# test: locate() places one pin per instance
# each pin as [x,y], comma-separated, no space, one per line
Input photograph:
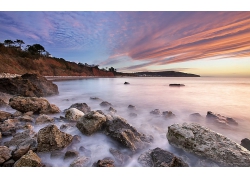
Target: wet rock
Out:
[26,118]
[29,113]
[43,119]
[112,110]
[127,135]
[195,116]
[168,114]
[34,104]
[105,104]
[20,144]
[85,151]
[160,158]
[50,138]
[95,98]
[30,159]
[91,122]
[66,126]
[106,162]
[17,113]
[8,127]
[5,154]
[245,143]
[4,115]
[133,115]
[73,114]
[204,142]
[156,112]
[3,103]
[120,158]
[81,162]
[56,154]
[76,139]
[83,107]
[221,119]
[9,163]
[47,87]
[176,85]
[131,107]
[126,83]
[70,154]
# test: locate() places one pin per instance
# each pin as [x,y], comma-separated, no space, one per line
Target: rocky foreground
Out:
[20,145]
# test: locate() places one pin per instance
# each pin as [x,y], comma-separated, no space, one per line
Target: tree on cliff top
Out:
[36,49]
[19,42]
[8,42]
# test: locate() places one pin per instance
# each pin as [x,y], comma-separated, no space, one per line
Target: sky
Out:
[208,43]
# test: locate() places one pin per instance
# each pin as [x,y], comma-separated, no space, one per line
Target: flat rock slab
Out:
[50,138]
[204,142]
[160,158]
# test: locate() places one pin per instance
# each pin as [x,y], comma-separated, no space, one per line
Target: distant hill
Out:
[165,74]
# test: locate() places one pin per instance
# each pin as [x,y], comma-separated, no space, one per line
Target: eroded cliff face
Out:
[47,67]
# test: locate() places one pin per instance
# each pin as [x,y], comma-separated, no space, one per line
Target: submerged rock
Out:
[195,116]
[221,119]
[112,110]
[43,119]
[5,154]
[120,158]
[70,154]
[106,162]
[176,85]
[245,143]
[160,158]
[168,114]
[81,162]
[50,138]
[105,104]
[73,114]
[204,142]
[91,122]
[133,115]
[34,104]
[131,107]
[127,135]
[156,112]
[30,159]
[83,107]
[126,83]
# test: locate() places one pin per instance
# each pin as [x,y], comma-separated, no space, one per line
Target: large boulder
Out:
[204,142]
[47,87]
[160,158]
[221,119]
[50,138]
[245,143]
[5,154]
[34,104]
[73,114]
[43,119]
[30,159]
[81,107]
[91,122]
[127,135]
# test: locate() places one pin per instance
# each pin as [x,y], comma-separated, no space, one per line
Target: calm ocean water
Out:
[227,96]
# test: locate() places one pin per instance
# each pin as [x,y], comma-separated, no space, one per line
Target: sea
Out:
[228,97]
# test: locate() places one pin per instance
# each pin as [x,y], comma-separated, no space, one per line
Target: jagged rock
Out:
[71,154]
[81,162]
[156,112]
[73,114]
[34,104]
[43,118]
[106,162]
[168,114]
[8,127]
[50,138]
[221,119]
[105,104]
[204,142]
[245,143]
[9,163]
[47,87]
[26,118]
[91,122]
[131,107]
[85,151]
[4,115]
[83,107]
[160,158]
[112,110]
[133,115]
[127,135]
[5,154]
[20,144]
[30,159]
[120,158]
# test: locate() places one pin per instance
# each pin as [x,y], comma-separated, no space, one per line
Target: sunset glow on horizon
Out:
[205,43]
